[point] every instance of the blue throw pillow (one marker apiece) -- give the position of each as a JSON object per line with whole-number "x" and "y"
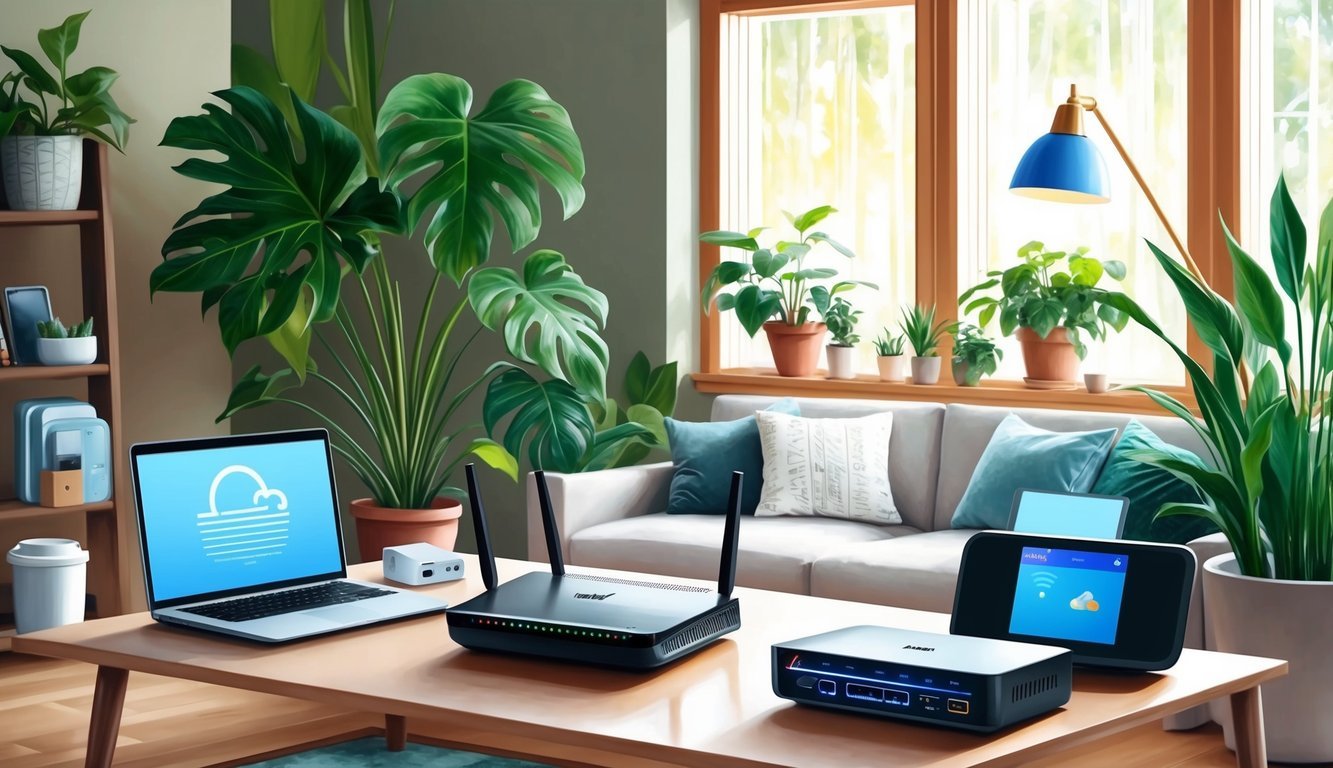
{"x": 705, "y": 455}
{"x": 1020, "y": 455}
{"x": 1148, "y": 488}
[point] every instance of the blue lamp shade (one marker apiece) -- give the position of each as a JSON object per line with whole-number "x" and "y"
{"x": 1063, "y": 167}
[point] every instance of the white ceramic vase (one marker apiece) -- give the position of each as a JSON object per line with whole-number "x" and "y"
{"x": 926, "y": 370}
{"x": 42, "y": 173}
{"x": 892, "y": 367}
{"x": 1290, "y": 620}
{"x": 841, "y": 363}
{"x": 78, "y": 351}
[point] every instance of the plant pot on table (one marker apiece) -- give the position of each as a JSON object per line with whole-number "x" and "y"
{"x": 378, "y": 527}
{"x": 1049, "y": 359}
{"x": 795, "y": 347}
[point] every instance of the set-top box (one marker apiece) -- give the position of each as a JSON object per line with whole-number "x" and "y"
{"x": 973, "y": 683}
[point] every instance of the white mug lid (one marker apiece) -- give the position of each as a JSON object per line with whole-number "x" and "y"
{"x": 47, "y": 553}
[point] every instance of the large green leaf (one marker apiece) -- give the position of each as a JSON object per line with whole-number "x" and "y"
{"x": 539, "y": 325}
{"x": 1288, "y": 239}
{"x": 1212, "y": 318}
{"x": 473, "y": 166}
{"x": 1258, "y": 300}
{"x": 306, "y": 215}
{"x": 299, "y": 43}
{"x": 256, "y": 388}
{"x": 494, "y": 455}
{"x": 550, "y": 416}
{"x": 35, "y": 75}
{"x": 58, "y": 43}
{"x": 251, "y": 69}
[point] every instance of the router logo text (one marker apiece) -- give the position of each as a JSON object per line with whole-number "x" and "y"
{"x": 917, "y": 648}
{"x": 591, "y": 595}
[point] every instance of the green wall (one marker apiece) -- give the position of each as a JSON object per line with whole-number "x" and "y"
{"x": 625, "y": 71}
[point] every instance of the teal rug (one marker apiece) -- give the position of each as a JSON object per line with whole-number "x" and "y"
{"x": 370, "y": 753}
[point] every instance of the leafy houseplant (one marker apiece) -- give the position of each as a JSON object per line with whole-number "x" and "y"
{"x": 41, "y": 152}
{"x": 315, "y": 199}
{"x": 775, "y": 283}
{"x": 1050, "y": 308}
{"x": 923, "y": 334}
{"x": 974, "y": 355}
{"x": 61, "y": 345}
{"x": 626, "y": 436}
{"x": 889, "y": 349}
{"x": 1268, "y": 482}
{"x": 841, "y": 319}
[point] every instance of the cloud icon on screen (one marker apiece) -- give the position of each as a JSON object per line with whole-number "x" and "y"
{"x": 237, "y": 532}
{"x": 1085, "y": 602}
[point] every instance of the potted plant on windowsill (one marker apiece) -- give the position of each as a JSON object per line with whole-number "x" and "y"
{"x": 773, "y": 289}
{"x": 1050, "y": 309}
{"x": 891, "y": 360}
{"x": 60, "y": 345}
{"x": 923, "y": 334}
{"x": 41, "y": 152}
{"x": 841, "y": 320}
{"x": 974, "y": 355}
{"x": 1264, "y": 405}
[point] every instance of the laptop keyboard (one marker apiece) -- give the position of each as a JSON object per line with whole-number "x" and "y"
{"x": 286, "y": 601}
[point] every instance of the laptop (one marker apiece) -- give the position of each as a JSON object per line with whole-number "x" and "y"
{"x": 1068, "y": 514}
{"x": 241, "y": 536}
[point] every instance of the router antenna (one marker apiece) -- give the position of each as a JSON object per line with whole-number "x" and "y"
{"x": 484, "y": 554}
{"x": 726, "y": 579}
{"x": 548, "y": 524}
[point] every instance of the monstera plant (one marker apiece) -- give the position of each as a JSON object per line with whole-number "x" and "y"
{"x": 296, "y": 236}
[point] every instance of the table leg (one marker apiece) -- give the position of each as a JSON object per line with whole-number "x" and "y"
{"x": 104, "y": 725}
{"x": 1247, "y": 722}
{"x": 395, "y": 733}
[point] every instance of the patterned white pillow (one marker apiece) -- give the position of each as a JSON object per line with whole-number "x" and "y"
{"x": 827, "y": 467}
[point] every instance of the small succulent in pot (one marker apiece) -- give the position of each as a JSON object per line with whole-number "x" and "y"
{"x": 892, "y": 362}
{"x": 841, "y": 319}
{"x": 58, "y": 344}
{"x": 974, "y": 355}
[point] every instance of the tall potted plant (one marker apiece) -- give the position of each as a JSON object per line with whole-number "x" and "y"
{"x": 1050, "y": 308}
{"x": 305, "y": 204}
{"x": 1269, "y": 485}
{"x": 43, "y": 125}
{"x": 775, "y": 283}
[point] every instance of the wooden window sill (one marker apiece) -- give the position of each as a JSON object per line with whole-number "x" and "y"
{"x": 1010, "y": 394}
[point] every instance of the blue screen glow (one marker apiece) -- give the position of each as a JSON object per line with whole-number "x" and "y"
{"x": 1059, "y": 514}
{"x": 235, "y": 517}
{"x": 1069, "y": 595}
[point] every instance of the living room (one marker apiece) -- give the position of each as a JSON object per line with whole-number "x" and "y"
{"x": 907, "y": 266}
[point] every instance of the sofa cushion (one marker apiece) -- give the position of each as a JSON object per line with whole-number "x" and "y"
{"x": 914, "y": 447}
{"x": 775, "y": 552}
{"x": 1020, "y": 455}
{"x": 916, "y": 572}
{"x": 1148, "y": 488}
{"x": 704, "y": 456}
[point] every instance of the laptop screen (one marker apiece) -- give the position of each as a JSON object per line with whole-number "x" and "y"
{"x": 231, "y": 514}
{"x": 1069, "y": 514}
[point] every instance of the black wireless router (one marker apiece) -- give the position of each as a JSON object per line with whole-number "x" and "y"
{"x": 594, "y": 619}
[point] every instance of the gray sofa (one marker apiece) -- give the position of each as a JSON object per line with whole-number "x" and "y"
{"x": 615, "y": 518}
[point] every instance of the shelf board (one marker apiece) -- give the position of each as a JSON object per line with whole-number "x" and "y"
{"x": 45, "y": 218}
{"x": 13, "y": 509}
{"x": 49, "y": 372}
{"x": 6, "y": 636}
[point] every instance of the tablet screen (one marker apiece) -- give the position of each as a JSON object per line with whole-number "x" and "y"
{"x": 1068, "y": 514}
{"x": 1066, "y": 594}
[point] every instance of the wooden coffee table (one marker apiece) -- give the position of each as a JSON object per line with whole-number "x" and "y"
{"x": 716, "y": 708}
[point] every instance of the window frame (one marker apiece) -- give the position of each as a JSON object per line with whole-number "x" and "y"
{"x": 1213, "y": 131}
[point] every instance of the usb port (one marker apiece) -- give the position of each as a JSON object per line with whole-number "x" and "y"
{"x": 828, "y": 687}
{"x": 864, "y": 692}
{"x": 900, "y": 698}
{"x": 958, "y": 706}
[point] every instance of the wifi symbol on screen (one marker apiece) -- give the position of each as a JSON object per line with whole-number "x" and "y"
{"x": 1043, "y": 580}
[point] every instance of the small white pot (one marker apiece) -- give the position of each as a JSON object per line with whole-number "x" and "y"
{"x": 841, "y": 364}
{"x": 1290, "y": 620}
{"x": 1096, "y": 383}
{"x": 80, "y": 351}
{"x": 892, "y": 367}
{"x": 42, "y": 173}
{"x": 926, "y": 370}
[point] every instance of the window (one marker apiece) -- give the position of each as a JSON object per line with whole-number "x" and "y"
{"x": 820, "y": 108}
{"x": 1017, "y": 61}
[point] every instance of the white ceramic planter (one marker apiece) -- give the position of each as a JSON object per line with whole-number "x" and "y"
{"x": 892, "y": 367}
{"x": 1290, "y": 620}
{"x": 42, "y": 173}
{"x": 841, "y": 362}
{"x": 926, "y": 370}
{"x": 80, "y": 351}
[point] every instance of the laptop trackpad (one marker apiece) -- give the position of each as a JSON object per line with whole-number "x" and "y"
{"x": 343, "y": 614}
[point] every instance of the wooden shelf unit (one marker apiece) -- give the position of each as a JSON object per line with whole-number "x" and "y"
{"x": 106, "y": 520}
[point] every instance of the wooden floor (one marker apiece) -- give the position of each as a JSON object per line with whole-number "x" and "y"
{"x": 44, "y": 718}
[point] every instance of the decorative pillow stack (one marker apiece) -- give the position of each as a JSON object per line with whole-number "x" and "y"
{"x": 827, "y": 467}
{"x": 705, "y": 454}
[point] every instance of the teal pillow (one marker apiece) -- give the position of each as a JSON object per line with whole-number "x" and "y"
{"x": 1148, "y": 488}
{"x": 1020, "y": 455}
{"x": 705, "y": 454}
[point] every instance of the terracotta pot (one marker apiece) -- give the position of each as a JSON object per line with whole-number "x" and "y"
{"x": 926, "y": 370}
{"x": 795, "y": 347}
{"x": 962, "y": 374}
{"x": 1278, "y": 619}
{"x": 892, "y": 367}
{"x": 841, "y": 362}
{"x": 1050, "y": 359}
{"x": 379, "y": 527}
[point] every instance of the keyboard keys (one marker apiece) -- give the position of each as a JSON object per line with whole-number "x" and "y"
{"x": 286, "y": 601}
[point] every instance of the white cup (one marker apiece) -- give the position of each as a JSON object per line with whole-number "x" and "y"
{"x": 50, "y": 579}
